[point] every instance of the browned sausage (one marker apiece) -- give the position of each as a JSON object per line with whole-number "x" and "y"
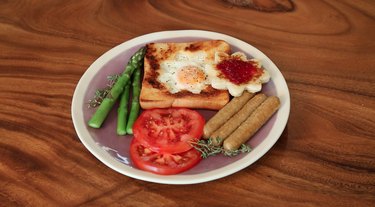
{"x": 251, "y": 125}
{"x": 235, "y": 121}
{"x": 225, "y": 113}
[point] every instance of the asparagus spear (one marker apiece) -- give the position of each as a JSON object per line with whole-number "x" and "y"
{"x": 105, "y": 107}
{"x": 122, "y": 112}
{"x": 134, "y": 110}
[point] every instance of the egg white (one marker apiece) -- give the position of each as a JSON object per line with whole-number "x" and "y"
{"x": 169, "y": 70}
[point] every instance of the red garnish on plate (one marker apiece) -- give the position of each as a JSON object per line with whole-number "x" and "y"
{"x": 238, "y": 71}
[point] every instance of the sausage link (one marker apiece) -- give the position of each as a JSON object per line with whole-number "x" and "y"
{"x": 225, "y": 113}
{"x": 235, "y": 121}
{"x": 251, "y": 125}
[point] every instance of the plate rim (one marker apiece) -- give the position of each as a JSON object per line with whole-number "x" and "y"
{"x": 109, "y": 161}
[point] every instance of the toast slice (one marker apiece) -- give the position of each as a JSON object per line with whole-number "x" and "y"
{"x": 156, "y": 94}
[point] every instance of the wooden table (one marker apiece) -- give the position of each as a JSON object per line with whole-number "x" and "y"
{"x": 325, "y": 50}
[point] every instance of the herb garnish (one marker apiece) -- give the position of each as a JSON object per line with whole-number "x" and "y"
{"x": 207, "y": 148}
{"x": 100, "y": 94}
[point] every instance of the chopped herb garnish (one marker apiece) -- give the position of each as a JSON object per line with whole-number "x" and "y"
{"x": 207, "y": 148}
{"x": 100, "y": 94}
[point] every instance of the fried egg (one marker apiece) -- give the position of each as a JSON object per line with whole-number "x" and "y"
{"x": 236, "y": 73}
{"x": 185, "y": 72}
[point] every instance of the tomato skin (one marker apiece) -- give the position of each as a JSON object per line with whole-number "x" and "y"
{"x": 168, "y": 130}
{"x": 162, "y": 163}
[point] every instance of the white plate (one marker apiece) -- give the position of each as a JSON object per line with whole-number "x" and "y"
{"x": 112, "y": 150}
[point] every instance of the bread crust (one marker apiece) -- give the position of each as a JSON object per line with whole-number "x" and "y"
{"x": 155, "y": 95}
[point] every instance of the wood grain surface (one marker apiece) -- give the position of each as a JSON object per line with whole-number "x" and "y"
{"x": 325, "y": 50}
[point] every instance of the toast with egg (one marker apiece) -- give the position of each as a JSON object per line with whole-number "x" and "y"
{"x": 174, "y": 75}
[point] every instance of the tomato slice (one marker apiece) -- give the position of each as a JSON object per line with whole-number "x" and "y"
{"x": 168, "y": 130}
{"x": 162, "y": 163}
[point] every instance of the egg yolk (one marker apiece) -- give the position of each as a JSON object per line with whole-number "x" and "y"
{"x": 190, "y": 75}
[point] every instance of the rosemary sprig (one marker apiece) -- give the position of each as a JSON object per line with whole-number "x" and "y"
{"x": 101, "y": 93}
{"x": 207, "y": 148}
